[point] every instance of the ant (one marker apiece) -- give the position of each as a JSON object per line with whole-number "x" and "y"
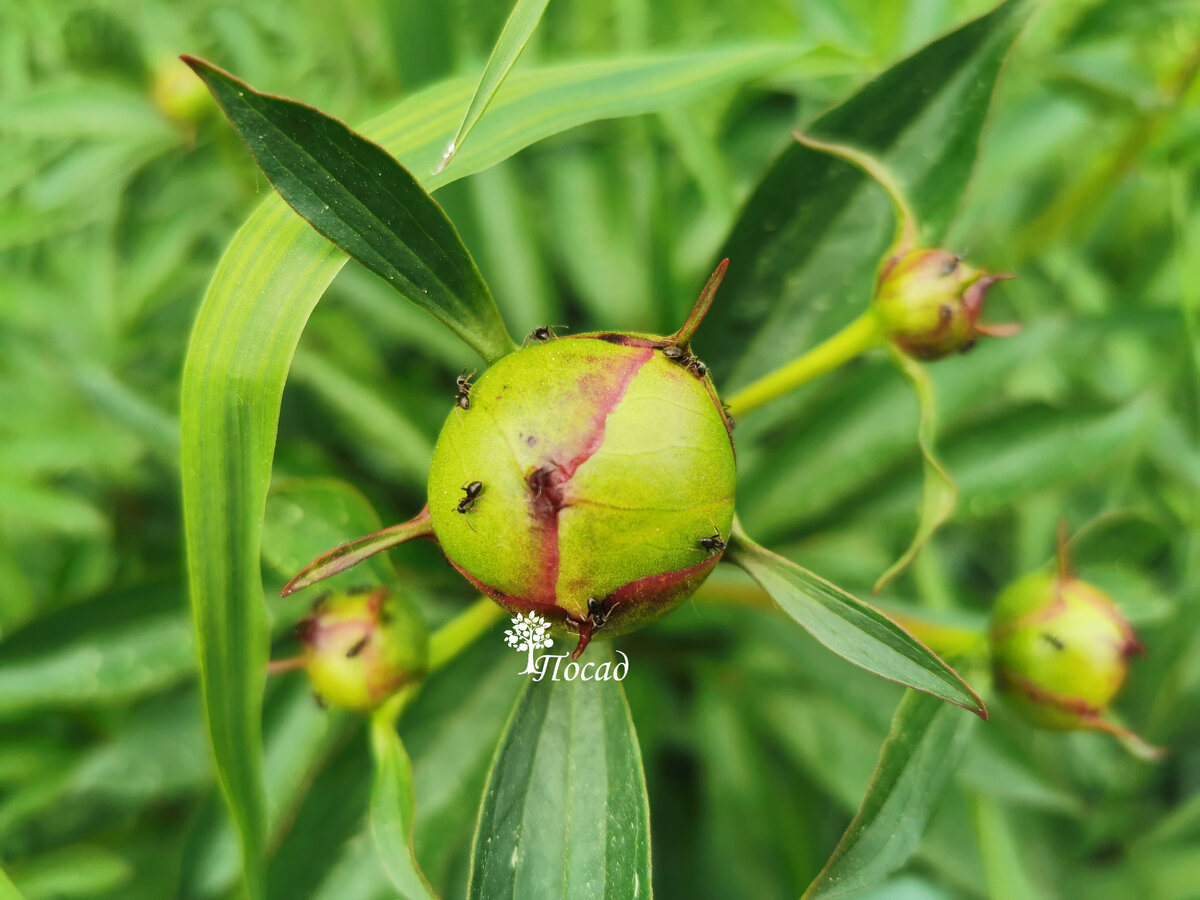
{"x": 598, "y": 612}
{"x": 542, "y": 333}
{"x": 713, "y": 543}
{"x": 463, "y": 398}
{"x": 688, "y": 360}
{"x": 472, "y": 490}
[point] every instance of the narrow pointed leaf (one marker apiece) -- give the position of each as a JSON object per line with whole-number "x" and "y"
{"x": 522, "y": 21}
{"x": 351, "y": 553}
{"x": 359, "y": 197}
{"x": 807, "y": 243}
{"x": 267, "y": 284}
{"x": 393, "y": 810}
{"x": 926, "y": 741}
{"x": 565, "y": 812}
{"x": 938, "y": 492}
{"x": 854, "y": 630}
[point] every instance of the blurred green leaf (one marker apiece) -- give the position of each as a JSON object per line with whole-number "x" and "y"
{"x": 1004, "y": 860}
{"x": 77, "y": 871}
{"x": 134, "y": 652}
{"x": 360, "y": 198}
{"x": 917, "y": 762}
{"x": 808, "y": 241}
{"x": 565, "y": 810}
{"x": 518, "y": 29}
{"x": 850, "y": 628}
{"x": 393, "y": 808}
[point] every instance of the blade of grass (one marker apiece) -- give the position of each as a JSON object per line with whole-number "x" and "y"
{"x": 524, "y": 18}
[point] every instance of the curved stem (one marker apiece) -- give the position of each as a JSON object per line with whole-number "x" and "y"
{"x": 906, "y": 223}
{"x": 856, "y": 338}
{"x": 462, "y": 631}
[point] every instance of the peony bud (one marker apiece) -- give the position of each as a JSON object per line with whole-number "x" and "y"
{"x": 928, "y": 302}
{"x": 178, "y": 93}
{"x": 589, "y": 479}
{"x": 1060, "y": 650}
{"x": 361, "y": 646}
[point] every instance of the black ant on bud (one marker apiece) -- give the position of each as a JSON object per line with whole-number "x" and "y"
{"x": 598, "y": 612}
{"x": 472, "y": 490}
{"x": 688, "y": 360}
{"x": 463, "y": 398}
{"x": 714, "y": 543}
{"x": 541, "y": 334}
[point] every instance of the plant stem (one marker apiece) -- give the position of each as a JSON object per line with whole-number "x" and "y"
{"x": 462, "y": 631}
{"x": 859, "y": 336}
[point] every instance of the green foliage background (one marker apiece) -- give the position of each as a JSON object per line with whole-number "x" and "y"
{"x": 757, "y": 744}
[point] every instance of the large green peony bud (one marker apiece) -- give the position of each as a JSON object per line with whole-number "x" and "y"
{"x": 361, "y": 646}
{"x": 589, "y": 479}
{"x": 1060, "y": 649}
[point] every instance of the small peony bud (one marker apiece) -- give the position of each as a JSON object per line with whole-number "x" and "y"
{"x": 589, "y": 479}
{"x": 927, "y": 302}
{"x": 178, "y": 93}
{"x": 1060, "y": 651}
{"x": 361, "y": 646}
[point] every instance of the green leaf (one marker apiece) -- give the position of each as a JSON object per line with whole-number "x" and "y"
{"x": 393, "y": 808}
{"x": 111, "y": 651}
{"x": 524, "y": 18}
{"x": 246, "y": 332}
{"x": 360, "y": 198}
{"x": 938, "y": 493}
{"x": 77, "y": 871}
{"x": 926, "y": 741}
{"x": 565, "y": 812}
{"x": 850, "y": 628}
{"x": 804, "y": 252}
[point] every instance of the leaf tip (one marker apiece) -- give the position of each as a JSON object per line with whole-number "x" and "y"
{"x": 451, "y": 149}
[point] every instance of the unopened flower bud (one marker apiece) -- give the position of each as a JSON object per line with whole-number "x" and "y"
{"x": 1060, "y": 650}
{"x": 178, "y": 93}
{"x": 361, "y": 646}
{"x": 928, "y": 302}
{"x": 589, "y": 479}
